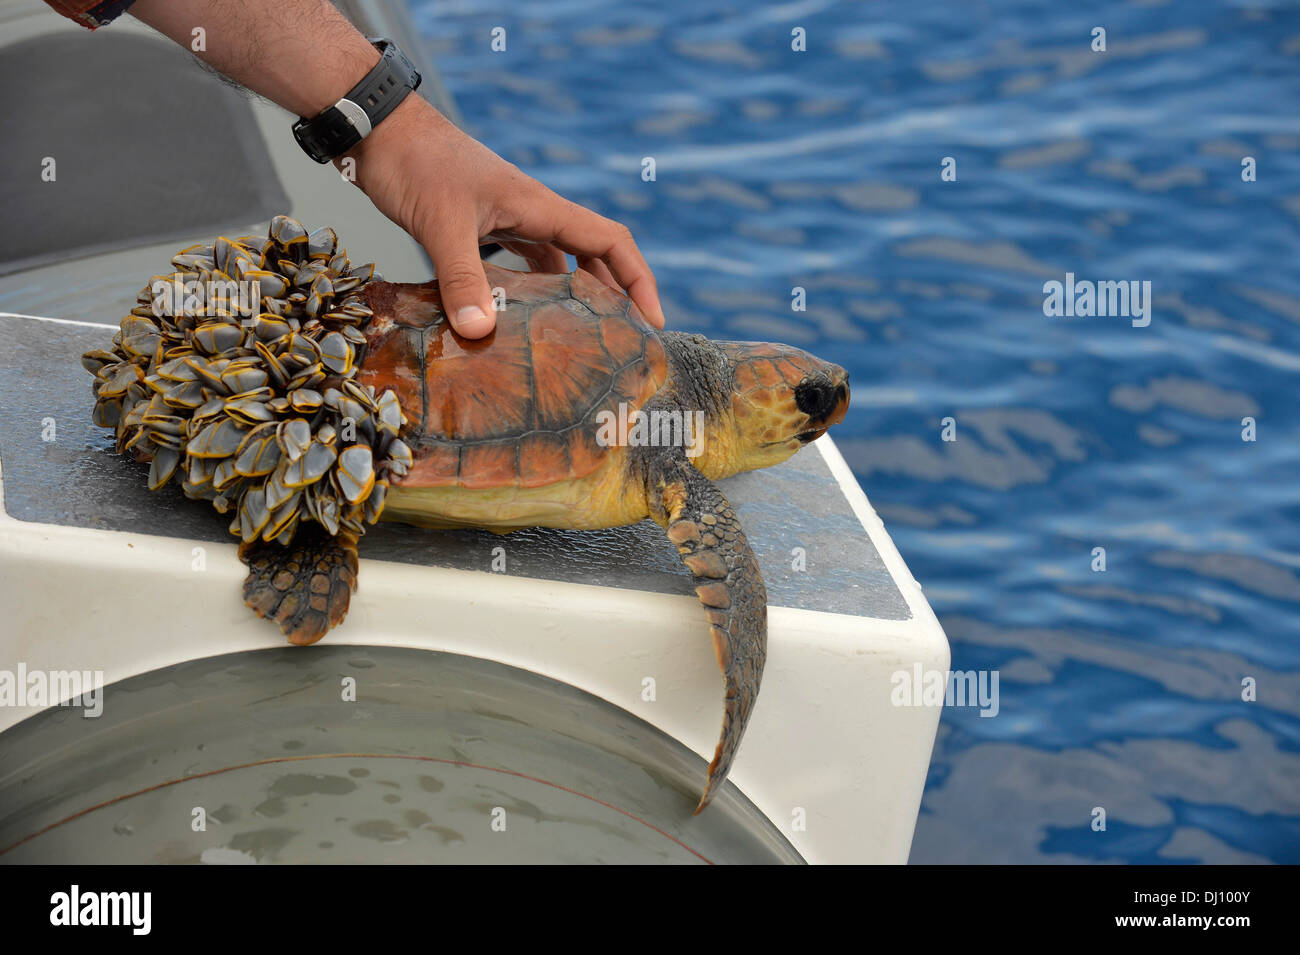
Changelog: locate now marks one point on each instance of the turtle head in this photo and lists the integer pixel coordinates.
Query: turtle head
(781, 399)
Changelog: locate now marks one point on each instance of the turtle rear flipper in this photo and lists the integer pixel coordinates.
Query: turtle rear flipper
(307, 586)
(701, 523)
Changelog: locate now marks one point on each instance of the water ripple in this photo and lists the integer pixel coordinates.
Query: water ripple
(1121, 687)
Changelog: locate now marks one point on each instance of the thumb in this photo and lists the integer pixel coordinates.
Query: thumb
(466, 297)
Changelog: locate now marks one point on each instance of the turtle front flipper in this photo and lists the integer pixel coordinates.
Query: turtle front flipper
(701, 523)
(307, 586)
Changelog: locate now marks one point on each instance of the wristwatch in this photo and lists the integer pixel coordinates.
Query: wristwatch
(338, 128)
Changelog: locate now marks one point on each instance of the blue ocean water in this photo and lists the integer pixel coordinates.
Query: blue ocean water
(821, 169)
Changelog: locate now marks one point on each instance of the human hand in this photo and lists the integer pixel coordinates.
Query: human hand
(451, 193)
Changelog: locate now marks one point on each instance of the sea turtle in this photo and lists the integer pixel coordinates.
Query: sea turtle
(339, 397)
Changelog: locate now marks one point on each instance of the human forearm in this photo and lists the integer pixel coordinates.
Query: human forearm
(300, 54)
(429, 177)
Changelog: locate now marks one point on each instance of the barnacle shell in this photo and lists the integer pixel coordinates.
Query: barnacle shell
(250, 401)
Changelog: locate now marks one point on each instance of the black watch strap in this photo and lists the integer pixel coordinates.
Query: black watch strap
(335, 130)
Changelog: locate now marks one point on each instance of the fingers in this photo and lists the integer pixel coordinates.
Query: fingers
(466, 296)
(586, 235)
(540, 256)
(600, 270)
(477, 194)
(612, 244)
(544, 257)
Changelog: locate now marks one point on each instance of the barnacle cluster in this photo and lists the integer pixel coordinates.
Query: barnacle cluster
(235, 376)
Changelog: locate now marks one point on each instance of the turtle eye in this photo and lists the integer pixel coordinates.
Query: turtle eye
(815, 397)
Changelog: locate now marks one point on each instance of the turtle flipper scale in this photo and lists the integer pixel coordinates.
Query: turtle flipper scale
(703, 526)
(305, 587)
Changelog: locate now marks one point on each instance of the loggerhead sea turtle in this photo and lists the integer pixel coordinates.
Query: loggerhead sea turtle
(339, 397)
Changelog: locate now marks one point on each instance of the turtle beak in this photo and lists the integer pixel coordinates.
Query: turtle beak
(824, 398)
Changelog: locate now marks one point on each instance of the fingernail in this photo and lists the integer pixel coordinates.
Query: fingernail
(471, 322)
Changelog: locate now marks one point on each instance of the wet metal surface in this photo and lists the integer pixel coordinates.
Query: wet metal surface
(181, 183)
(440, 758)
(77, 479)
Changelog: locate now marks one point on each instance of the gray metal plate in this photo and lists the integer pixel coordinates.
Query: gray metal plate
(78, 480)
(435, 748)
(186, 175)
